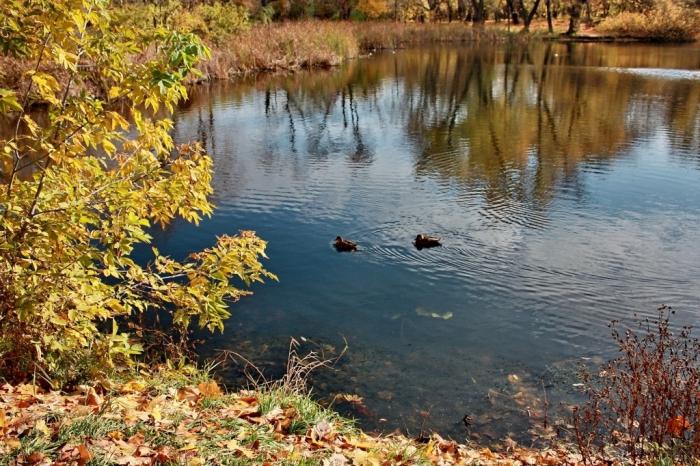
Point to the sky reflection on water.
(566, 193)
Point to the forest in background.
(515, 12)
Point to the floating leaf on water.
(435, 315)
(513, 378)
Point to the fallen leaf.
(188, 394)
(274, 414)
(350, 398)
(248, 399)
(27, 401)
(35, 457)
(677, 426)
(92, 398)
(41, 427)
(321, 430)
(336, 459)
(133, 386)
(84, 455)
(210, 389)
(12, 442)
(363, 458)
(435, 315)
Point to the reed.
(321, 44)
(284, 46)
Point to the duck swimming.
(342, 244)
(425, 241)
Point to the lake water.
(564, 180)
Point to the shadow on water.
(563, 179)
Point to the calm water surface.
(563, 179)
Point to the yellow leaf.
(40, 426)
(133, 386)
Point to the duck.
(342, 244)
(425, 241)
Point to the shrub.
(265, 14)
(83, 188)
(222, 20)
(645, 401)
(215, 22)
(372, 9)
(189, 21)
(146, 15)
(666, 21)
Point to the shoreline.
(319, 45)
(182, 416)
(360, 40)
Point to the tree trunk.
(434, 7)
(461, 10)
(589, 15)
(479, 16)
(575, 16)
(512, 12)
(527, 17)
(550, 27)
(344, 9)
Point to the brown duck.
(425, 241)
(342, 244)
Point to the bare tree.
(548, 4)
(527, 16)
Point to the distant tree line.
(516, 12)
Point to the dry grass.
(668, 21)
(286, 46)
(393, 35)
(322, 44)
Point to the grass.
(90, 426)
(308, 412)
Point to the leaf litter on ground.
(150, 420)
